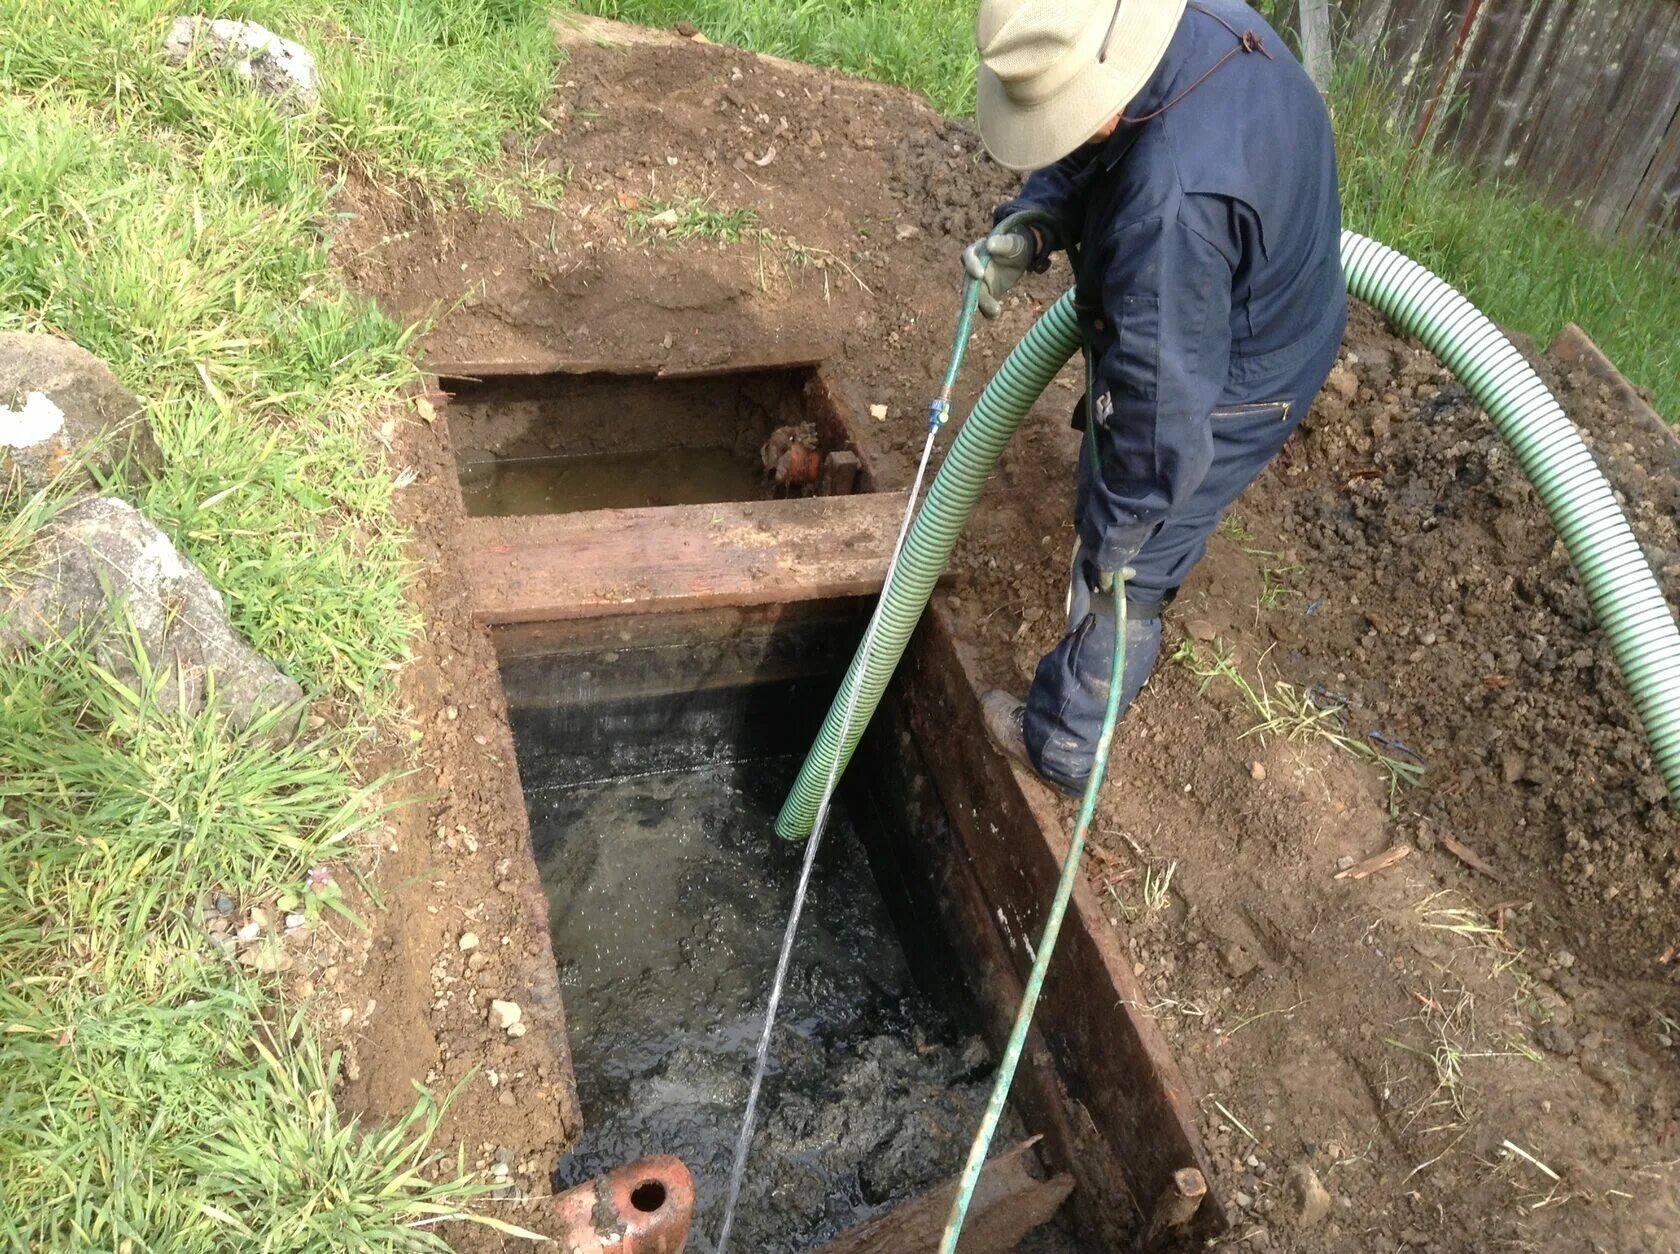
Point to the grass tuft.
(691, 217)
(1292, 712)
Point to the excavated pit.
(667, 659)
(654, 756)
(565, 443)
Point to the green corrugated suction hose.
(1007, 398)
(1625, 596)
(1619, 584)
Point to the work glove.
(999, 261)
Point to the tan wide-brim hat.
(1052, 72)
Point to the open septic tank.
(672, 620)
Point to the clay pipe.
(644, 1208)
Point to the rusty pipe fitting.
(644, 1208)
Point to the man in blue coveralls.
(1185, 162)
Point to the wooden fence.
(1579, 99)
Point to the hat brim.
(1030, 137)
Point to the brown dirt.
(1339, 1023)
(410, 1005)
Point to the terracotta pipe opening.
(648, 1196)
(644, 1208)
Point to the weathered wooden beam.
(793, 355)
(1124, 1101)
(1574, 347)
(685, 557)
(1008, 1204)
(1315, 42)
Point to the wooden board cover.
(684, 557)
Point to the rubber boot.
(1063, 717)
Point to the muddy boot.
(1003, 716)
(1005, 720)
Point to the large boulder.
(58, 402)
(274, 67)
(102, 567)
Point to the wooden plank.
(1574, 347)
(618, 561)
(1656, 202)
(1315, 41)
(1008, 1204)
(794, 355)
(1109, 1053)
(916, 862)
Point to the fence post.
(1315, 42)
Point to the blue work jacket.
(1208, 259)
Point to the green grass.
(1528, 266)
(171, 222)
(1525, 265)
(692, 217)
(1289, 711)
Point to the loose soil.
(1398, 1033)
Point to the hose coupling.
(939, 413)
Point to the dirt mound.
(1465, 632)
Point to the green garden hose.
(1047, 942)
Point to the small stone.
(478, 962)
(468, 941)
(506, 1015)
(878, 412)
(688, 30)
(907, 231)
(1308, 1202)
(1243, 1200)
(666, 221)
(224, 904)
(1201, 629)
(516, 1030)
(249, 932)
(1563, 958)
(1344, 862)
(1343, 382)
(1257, 771)
(272, 66)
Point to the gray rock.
(104, 568)
(274, 67)
(1307, 1202)
(58, 403)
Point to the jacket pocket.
(1137, 346)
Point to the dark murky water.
(493, 486)
(667, 899)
